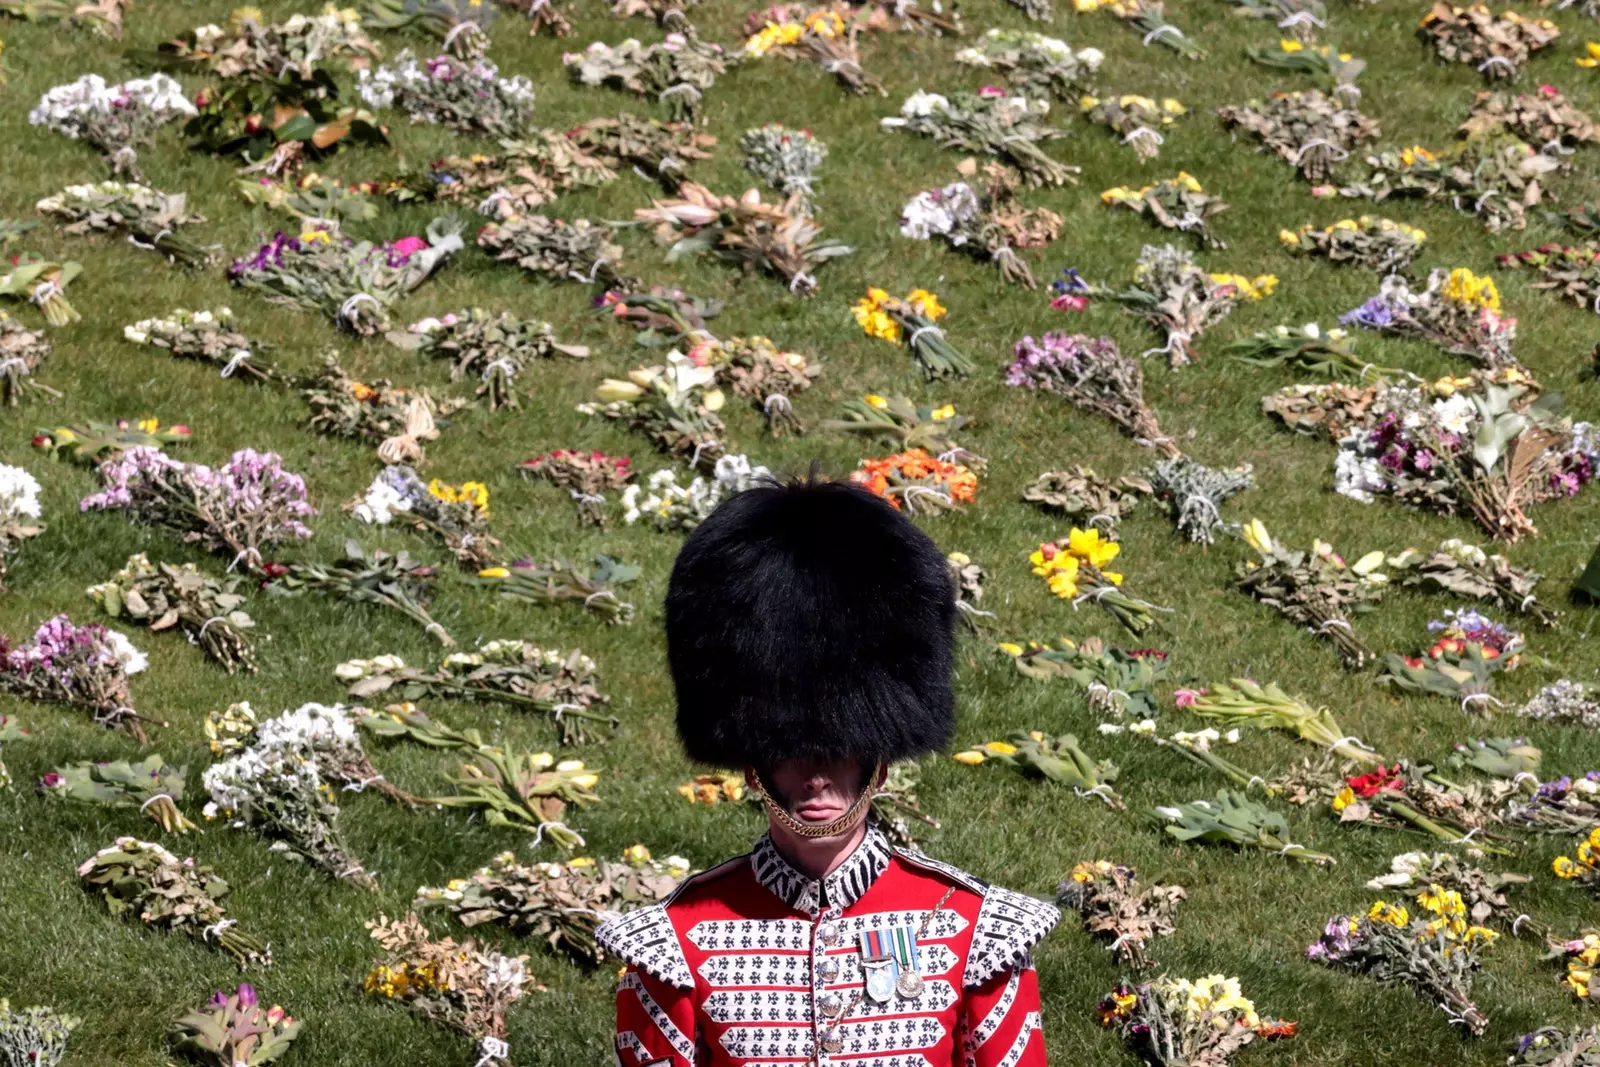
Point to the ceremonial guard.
(809, 633)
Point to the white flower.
(1232, 736)
(130, 659)
(1454, 413)
(352, 670)
(381, 503)
(1109, 728)
(137, 335)
(388, 663)
(922, 104)
(1356, 476)
(1091, 58)
(19, 493)
(1311, 330)
(1170, 813)
(1143, 728)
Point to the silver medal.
(880, 980)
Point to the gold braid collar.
(845, 822)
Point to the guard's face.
(816, 791)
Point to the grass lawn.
(1250, 915)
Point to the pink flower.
(1069, 302)
(1322, 192)
(407, 245)
(1549, 91)
(991, 91)
(1185, 697)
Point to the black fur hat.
(810, 620)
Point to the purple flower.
(1375, 314)
(53, 780)
(247, 995)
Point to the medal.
(878, 967)
(903, 944)
(909, 984)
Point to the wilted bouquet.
(115, 120)
(1483, 893)
(1498, 47)
(1334, 70)
(559, 903)
(207, 336)
(1459, 569)
(580, 250)
(1085, 497)
(1564, 805)
(910, 322)
(987, 222)
(34, 1037)
(1149, 18)
(1033, 64)
(496, 348)
(1137, 118)
(42, 281)
(1174, 203)
(104, 17)
(1053, 759)
(296, 52)
(1565, 702)
(465, 986)
(1459, 311)
(1193, 494)
(457, 515)
(594, 587)
(1435, 951)
(1545, 119)
(1402, 796)
(1232, 818)
(149, 217)
(396, 419)
(466, 96)
(19, 507)
(754, 369)
(248, 504)
(352, 282)
(584, 475)
(461, 25)
(917, 483)
(670, 506)
(787, 160)
(1268, 707)
(1175, 1022)
(675, 404)
(169, 894)
(1552, 1047)
(1115, 906)
(545, 680)
(532, 172)
(659, 149)
(676, 71)
(387, 579)
(1074, 569)
(234, 1030)
(91, 442)
(152, 786)
(1310, 130)
(275, 128)
(1494, 176)
(1118, 681)
(1301, 17)
(989, 121)
(208, 611)
(1316, 589)
(1573, 273)
(826, 36)
(1376, 243)
(1092, 374)
(21, 352)
(780, 239)
(85, 667)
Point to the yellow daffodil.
(1188, 181)
(1468, 289)
(1088, 103)
(1591, 57)
(1346, 797)
(999, 748)
(1172, 106)
(1564, 867)
(1257, 537)
(941, 414)
(1288, 237)
(1286, 45)
(927, 303)
(1089, 546)
(494, 572)
(637, 855)
(971, 757)
(873, 400)
(1410, 157)
(1010, 648)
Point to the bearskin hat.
(810, 620)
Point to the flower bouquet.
(1330, 354)
(1118, 681)
(1193, 494)
(1436, 956)
(43, 282)
(1333, 70)
(149, 217)
(1149, 18)
(495, 348)
(656, 148)
(1175, 1022)
(1117, 908)
(1035, 65)
(1545, 119)
(1173, 295)
(779, 239)
(826, 36)
(275, 128)
(19, 506)
(910, 322)
(104, 17)
(395, 419)
(1309, 130)
(1483, 893)
(1317, 590)
(469, 97)
(208, 611)
(92, 442)
(1584, 870)
(391, 580)
(585, 475)
(787, 160)
(523, 792)
(1269, 708)
(669, 506)
(461, 25)
(298, 51)
(1572, 273)
(1498, 47)
(594, 587)
(676, 71)
(465, 986)
(663, 317)
(719, 787)
(754, 369)
(1301, 17)
(1174, 203)
(169, 894)
(206, 336)
(248, 504)
(558, 903)
(233, 1030)
(1376, 243)
(580, 250)
(1552, 1047)
(1053, 759)
(899, 422)
(917, 483)
(968, 578)
(1459, 569)
(532, 172)
(1512, 759)
(544, 680)
(34, 1037)
(991, 122)
(1138, 119)
(1085, 497)
(675, 405)
(324, 734)
(85, 667)
(1566, 703)
(1094, 376)
(115, 120)
(1565, 805)
(1469, 649)
(1231, 818)
(1074, 569)
(543, 16)
(352, 282)
(989, 223)
(1494, 177)
(277, 791)
(152, 786)
(1403, 796)
(457, 515)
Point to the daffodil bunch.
(1176, 1022)
(1378, 244)
(1301, 17)
(1582, 868)
(1497, 46)
(989, 121)
(1483, 893)
(910, 323)
(1033, 64)
(826, 36)
(1053, 759)
(1073, 568)
(1086, 498)
(1333, 70)
(1116, 908)
(1317, 590)
(1149, 18)
(1309, 129)
(1119, 682)
(1174, 203)
(904, 424)
(1231, 818)
(1436, 956)
(674, 403)
(456, 514)
(1571, 273)
(1138, 119)
(1330, 353)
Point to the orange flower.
(362, 392)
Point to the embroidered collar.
(846, 885)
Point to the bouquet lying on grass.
(579, 251)
(1173, 203)
(84, 667)
(1086, 498)
(42, 282)
(205, 336)
(594, 587)
(1317, 590)
(1459, 311)
(1148, 17)
(826, 36)
(1093, 375)
(674, 404)
(149, 883)
(755, 369)
(19, 512)
(388, 579)
(1310, 130)
(114, 120)
(676, 71)
(34, 1037)
(1192, 494)
(151, 786)
(586, 476)
(1483, 893)
(917, 483)
(897, 421)
(456, 514)
(1115, 906)
(460, 25)
(467, 96)
(1376, 243)
(1402, 796)
(1074, 569)
(1545, 119)
(494, 348)
(91, 443)
(1175, 1022)
(206, 610)
(1494, 176)
(21, 352)
(1565, 702)
(989, 121)
(301, 50)
(397, 420)
(988, 222)
(1035, 65)
(248, 504)
(352, 282)
(1571, 273)
(1231, 818)
(149, 217)
(1497, 46)
(531, 173)
(1138, 120)
(1466, 651)
(1053, 759)
(323, 734)
(668, 506)
(910, 323)
(1328, 353)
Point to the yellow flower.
(494, 572)
(1039, 737)
(1591, 57)
(1089, 546)
(1083, 7)
(315, 237)
(1468, 289)
(873, 400)
(1286, 45)
(637, 855)
(1288, 237)
(1010, 648)
(999, 748)
(1564, 867)
(148, 425)
(874, 321)
(1064, 584)
(927, 303)
(1415, 154)
(1188, 181)
(971, 757)
(1172, 106)
(943, 413)
(1088, 103)
(1257, 537)
(1480, 933)
(1346, 797)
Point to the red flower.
(1069, 302)
(1366, 786)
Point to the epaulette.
(645, 936)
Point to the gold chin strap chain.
(847, 821)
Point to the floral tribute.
(115, 120)
(1074, 569)
(204, 336)
(149, 217)
(1317, 590)
(1376, 243)
(1149, 18)
(1309, 129)
(465, 95)
(22, 351)
(1468, 649)
(234, 1030)
(1178, 203)
(1086, 497)
(987, 222)
(677, 71)
(165, 596)
(84, 667)
(989, 121)
(593, 587)
(1115, 906)
(1035, 65)
(579, 251)
(43, 282)
(1497, 46)
(1459, 311)
(586, 476)
(19, 512)
(910, 322)
(668, 505)
(456, 514)
(1119, 682)
(1494, 177)
(1061, 760)
(152, 787)
(493, 348)
(1092, 374)
(828, 36)
(674, 404)
(1176, 1022)
(1570, 273)
(1138, 120)
(1231, 818)
(395, 419)
(917, 483)
(34, 1037)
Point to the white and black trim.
(846, 885)
(1009, 925)
(681, 1043)
(646, 938)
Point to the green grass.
(1249, 915)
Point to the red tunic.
(753, 964)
